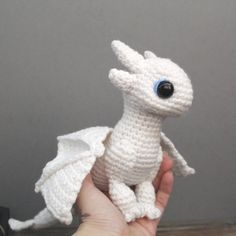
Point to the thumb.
(93, 203)
(88, 194)
(97, 212)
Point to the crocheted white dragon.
(128, 155)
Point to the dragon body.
(128, 155)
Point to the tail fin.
(43, 219)
(17, 225)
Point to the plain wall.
(54, 60)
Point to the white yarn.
(43, 219)
(128, 155)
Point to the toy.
(130, 154)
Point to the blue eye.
(163, 88)
(156, 84)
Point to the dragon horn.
(127, 56)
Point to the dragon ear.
(122, 79)
(127, 56)
(150, 55)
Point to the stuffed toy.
(123, 160)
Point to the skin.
(100, 216)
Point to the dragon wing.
(62, 177)
(180, 165)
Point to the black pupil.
(165, 89)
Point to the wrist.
(97, 230)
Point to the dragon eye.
(163, 88)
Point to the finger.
(166, 165)
(165, 189)
(162, 197)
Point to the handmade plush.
(128, 155)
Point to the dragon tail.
(43, 219)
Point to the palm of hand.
(101, 217)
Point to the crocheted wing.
(62, 177)
(180, 165)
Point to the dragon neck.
(137, 123)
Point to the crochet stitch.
(130, 154)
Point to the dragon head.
(154, 84)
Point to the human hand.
(101, 217)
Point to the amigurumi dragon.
(128, 155)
